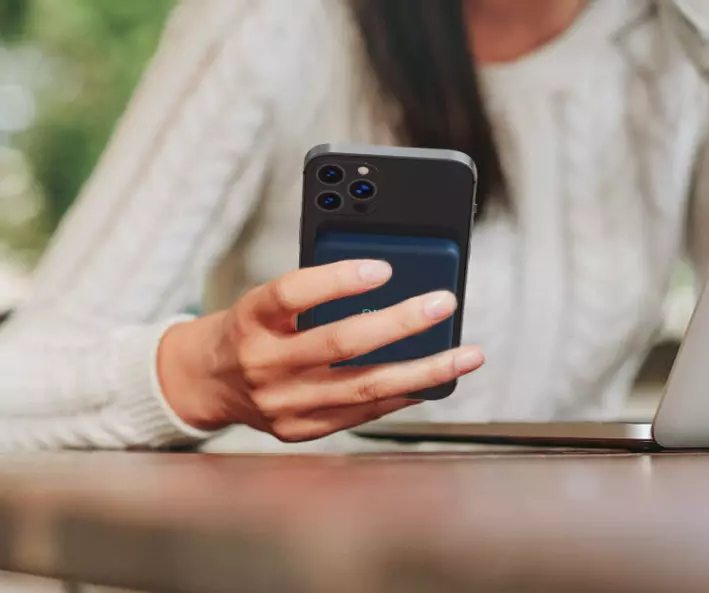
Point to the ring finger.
(360, 334)
(332, 388)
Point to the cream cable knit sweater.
(601, 132)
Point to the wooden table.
(488, 522)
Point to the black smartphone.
(411, 207)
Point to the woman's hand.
(249, 365)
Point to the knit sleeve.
(688, 20)
(698, 220)
(179, 179)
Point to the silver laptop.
(681, 420)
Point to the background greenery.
(92, 55)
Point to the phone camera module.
(329, 201)
(331, 174)
(362, 189)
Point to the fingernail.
(439, 305)
(468, 361)
(375, 272)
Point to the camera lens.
(331, 174)
(362, 189)
(329, 201)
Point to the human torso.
(598, 132)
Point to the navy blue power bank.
(420, 265)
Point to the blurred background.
(67, 70)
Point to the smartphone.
(411, 207)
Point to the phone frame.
(407, 180)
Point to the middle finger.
(361, 334)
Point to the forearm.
(88, 392)
(179, 180)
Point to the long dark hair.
(420, 53)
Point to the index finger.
(296, 292)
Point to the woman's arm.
(698, 221)
(688, 20)
(95, 355)
(77, 360)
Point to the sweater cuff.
(153, 423)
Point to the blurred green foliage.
(101, 48)
(12, 18)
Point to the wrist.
(184, 375)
